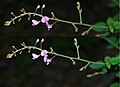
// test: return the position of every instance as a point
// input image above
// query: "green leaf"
(99, 27)
(111, 28)
(118, 74)
(114, 3)
(118, 65)
(116, 84)
(97, 66)
(109, 21)
(107, 61)
(116, 25)
(105, 34)
(113, 25)
(116, 17)
(104, 70)
(115, 60)
(114, 40)
(110, 46)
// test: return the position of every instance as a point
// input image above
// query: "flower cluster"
(45, 20)
(44, 53)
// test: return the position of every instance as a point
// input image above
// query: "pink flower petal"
(44, 19)
(35, 56)
(49, 27)
(35, 22)
(45, 58)
(44, 52)
(48, 61)
(46, 23)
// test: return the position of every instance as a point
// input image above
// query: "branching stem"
(55, 19)
(56, 54)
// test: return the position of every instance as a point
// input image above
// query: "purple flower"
(49, 27)
(35, 56)
(48, 61)
(35, 22)
(45, 58)
(44, 52)
(45, 20)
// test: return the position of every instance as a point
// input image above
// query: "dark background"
(22, 71)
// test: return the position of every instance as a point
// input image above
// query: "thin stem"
(114, 1)
(77, 47)
(76, 29)
(80, 11)
(80, 15)
(86, 32)
(84, 67)
(55, 19)
(80, 59)
(56, 54)
(78, 52)
(111, 42)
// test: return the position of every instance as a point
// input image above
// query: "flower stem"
(55, 19)
(56, 54)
